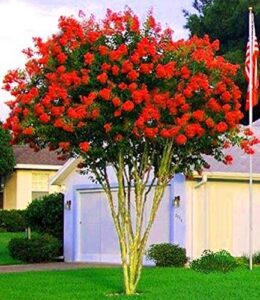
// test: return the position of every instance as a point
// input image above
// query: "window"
(40, 185)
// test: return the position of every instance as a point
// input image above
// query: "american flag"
(255, 52)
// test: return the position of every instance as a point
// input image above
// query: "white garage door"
(97, 239)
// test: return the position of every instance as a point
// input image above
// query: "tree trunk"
(132, 235)
(132, 271)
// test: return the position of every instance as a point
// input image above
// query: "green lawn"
(5, 258)
(156, 283)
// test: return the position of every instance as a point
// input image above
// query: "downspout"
(196, 186)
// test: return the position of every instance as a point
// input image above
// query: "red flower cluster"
(145, 88)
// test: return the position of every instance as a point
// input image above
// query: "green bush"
(245, 259)
(167, 255)
(45, 215)
(256, 258)
(221, 261)
(12, 220)
(38, 249)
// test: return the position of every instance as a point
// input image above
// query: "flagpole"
(250, 126)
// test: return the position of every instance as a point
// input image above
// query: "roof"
(240, 162)
(24, 155)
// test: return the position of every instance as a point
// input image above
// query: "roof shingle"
(26, 155)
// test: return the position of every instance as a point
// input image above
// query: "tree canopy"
(7, 160)
(226, 21)
(126, 96)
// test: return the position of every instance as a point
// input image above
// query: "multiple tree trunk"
(128, 214)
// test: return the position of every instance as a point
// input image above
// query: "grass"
(5, 237)
(156, 284)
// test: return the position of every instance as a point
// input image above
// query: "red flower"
(132, 86)
(221, 127)
(137, 96)
(116, 101)
(210, 123)
(44, 118)
(160, 71)
(84, 146)
(118, 138)
(127, 66)
(150, 132)
(122, 86)
(115, 70)
(61, 58)
(95, 113)
(228, 159)
(28, 131)
(146, 68)
(118, 113)
(214, 105)
(108, 127)
(128, 106)
(165, 133)
(185, 72)
(89, 58)
(226, 96)
(133, 75)
(188, 93)
(103, 50)
(105, 93)
(105, 67)
(181, 139)
(102, 78)
(64, 145)
(135, 58)
(198, 115)
(115, 55)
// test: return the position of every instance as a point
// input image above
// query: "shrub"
(12, 220)
(167, 255)
(45, 215)
(221, 261)
(256, 258)
(38, 249)
(245, 258)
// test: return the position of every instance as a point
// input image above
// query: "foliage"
(221, 261)
(256, 258)
(128, 97)
(45, 215)
(12, 220)
(37, 249)
(7, 160)
(5, 237)
(232, 31)
(167, 255)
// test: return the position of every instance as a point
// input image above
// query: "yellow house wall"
(10, 192)
(217, 217)
(18, 190)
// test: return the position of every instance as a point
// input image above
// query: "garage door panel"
(98, 240)
(90, 238)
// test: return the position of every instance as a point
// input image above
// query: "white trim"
(37, 167)
(65, 170)
(228, 175)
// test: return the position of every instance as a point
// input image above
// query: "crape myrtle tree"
(127, 96)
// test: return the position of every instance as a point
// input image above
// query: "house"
(30, 178)
(207, 212)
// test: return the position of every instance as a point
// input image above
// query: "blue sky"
(20, 20)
